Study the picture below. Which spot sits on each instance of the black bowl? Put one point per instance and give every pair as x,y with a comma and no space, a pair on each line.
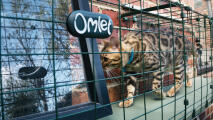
32,72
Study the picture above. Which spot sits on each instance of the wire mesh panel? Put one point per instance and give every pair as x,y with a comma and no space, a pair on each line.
164,30
33,35
157,62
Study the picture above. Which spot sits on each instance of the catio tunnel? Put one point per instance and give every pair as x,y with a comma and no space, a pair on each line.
48,73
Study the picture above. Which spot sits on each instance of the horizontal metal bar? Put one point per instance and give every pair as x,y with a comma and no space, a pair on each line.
136,11
146,11
160,7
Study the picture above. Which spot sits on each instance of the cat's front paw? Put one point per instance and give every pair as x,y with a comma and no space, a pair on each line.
174,89
127,103
189,83
171,93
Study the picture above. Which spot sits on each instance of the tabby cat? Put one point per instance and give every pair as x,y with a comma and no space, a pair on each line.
133,60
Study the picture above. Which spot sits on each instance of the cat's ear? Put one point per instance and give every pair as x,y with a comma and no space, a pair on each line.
102,44
114,42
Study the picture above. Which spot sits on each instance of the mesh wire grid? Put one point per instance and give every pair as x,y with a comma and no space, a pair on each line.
34,35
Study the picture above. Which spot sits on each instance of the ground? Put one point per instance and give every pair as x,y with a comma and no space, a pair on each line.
155,111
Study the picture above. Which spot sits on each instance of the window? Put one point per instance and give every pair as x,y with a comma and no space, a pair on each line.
42,64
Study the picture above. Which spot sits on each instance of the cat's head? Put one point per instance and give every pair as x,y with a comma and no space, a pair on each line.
111,57
111,51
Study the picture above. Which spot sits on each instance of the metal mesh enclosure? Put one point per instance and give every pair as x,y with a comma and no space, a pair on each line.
46,73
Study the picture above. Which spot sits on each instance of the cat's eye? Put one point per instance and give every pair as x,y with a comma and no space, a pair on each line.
105,59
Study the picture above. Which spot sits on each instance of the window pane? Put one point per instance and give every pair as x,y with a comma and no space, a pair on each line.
28,40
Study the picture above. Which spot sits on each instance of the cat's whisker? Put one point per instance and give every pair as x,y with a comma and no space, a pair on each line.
108,74
111,75
115,73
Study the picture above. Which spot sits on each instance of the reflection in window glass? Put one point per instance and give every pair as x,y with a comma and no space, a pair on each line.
27,40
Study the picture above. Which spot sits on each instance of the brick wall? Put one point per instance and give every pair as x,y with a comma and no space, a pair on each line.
202,7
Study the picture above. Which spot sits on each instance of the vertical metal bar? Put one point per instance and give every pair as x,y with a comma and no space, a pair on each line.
200,63
206,105
173,55
1,81
53,57
142,52
159,54
184,59
122,70
193,38
211,40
